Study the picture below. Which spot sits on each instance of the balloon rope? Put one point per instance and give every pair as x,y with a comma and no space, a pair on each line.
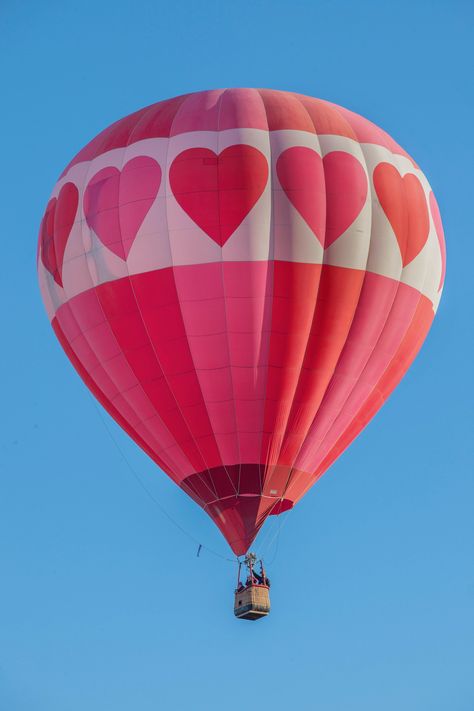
282,519
265,534
153,498
277,535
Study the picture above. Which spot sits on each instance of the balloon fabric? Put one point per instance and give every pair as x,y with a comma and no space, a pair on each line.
241,277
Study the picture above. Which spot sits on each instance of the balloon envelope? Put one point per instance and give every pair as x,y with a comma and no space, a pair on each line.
241,277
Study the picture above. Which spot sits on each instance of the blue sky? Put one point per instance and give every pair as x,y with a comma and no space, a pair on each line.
103,602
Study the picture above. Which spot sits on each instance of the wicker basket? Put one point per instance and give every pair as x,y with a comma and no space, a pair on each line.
252,602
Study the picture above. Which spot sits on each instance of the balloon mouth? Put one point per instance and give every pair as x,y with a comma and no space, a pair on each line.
236,500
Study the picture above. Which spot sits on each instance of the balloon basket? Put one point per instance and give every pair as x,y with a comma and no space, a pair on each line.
252,598
252,602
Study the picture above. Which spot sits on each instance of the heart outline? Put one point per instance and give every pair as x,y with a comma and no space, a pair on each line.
56,227
218,191
116,202
403,201
330,210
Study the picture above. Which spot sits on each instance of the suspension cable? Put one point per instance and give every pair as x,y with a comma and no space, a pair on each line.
160,507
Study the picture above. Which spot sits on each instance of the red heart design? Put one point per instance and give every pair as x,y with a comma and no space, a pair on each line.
346,192
56,227
218,191
435,214
48,255
301,175
116,202
329,194
404,203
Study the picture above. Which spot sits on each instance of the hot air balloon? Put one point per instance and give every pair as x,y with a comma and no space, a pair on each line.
241,277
